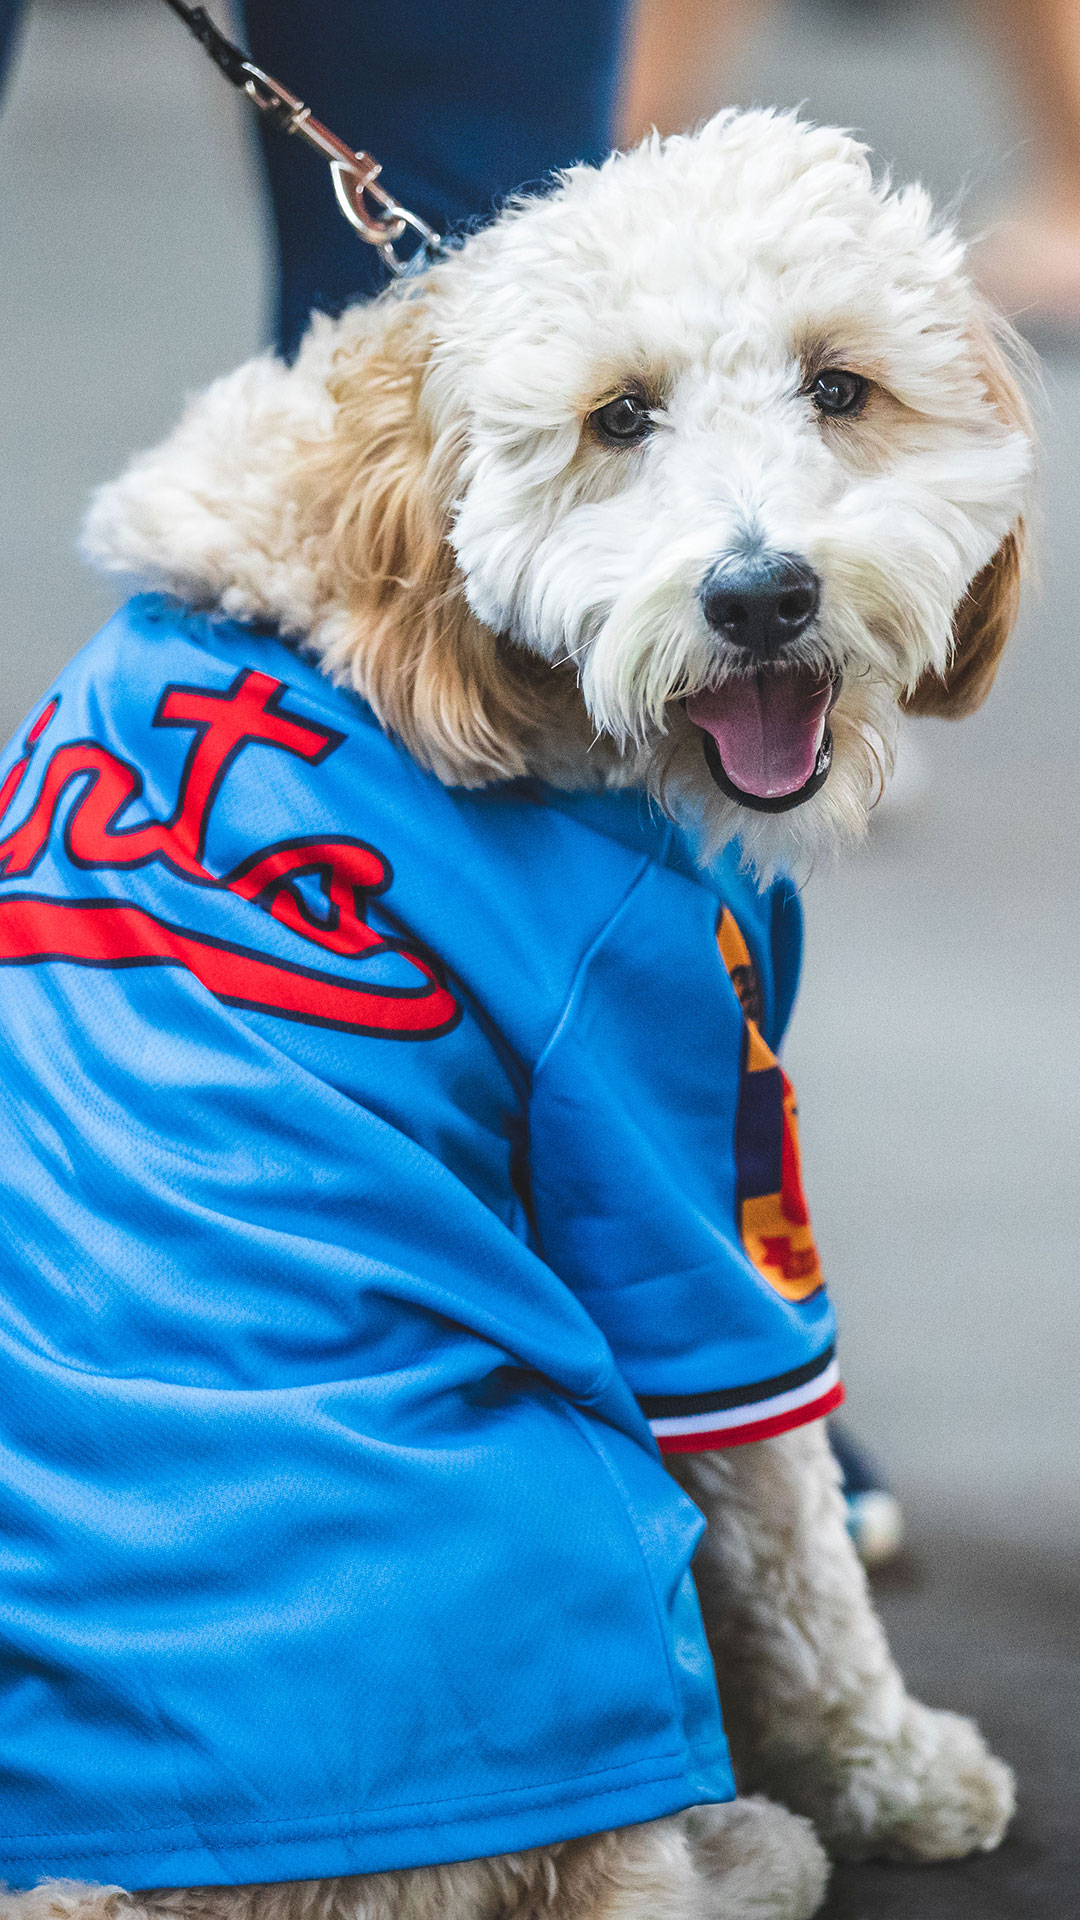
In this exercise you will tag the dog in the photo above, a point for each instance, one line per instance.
(620, 539)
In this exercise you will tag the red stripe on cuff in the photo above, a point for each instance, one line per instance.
(754, 1429)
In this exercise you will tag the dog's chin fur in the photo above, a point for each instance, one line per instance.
(422, 498)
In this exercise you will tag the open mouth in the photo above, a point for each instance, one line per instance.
(766, 735)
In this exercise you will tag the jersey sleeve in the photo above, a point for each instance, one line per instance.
(665, 1167)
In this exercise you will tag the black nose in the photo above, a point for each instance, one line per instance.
(760, 601)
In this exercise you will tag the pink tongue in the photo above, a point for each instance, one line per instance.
(767, 728)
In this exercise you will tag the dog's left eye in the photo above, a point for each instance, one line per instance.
(622, 421)
(836, 390)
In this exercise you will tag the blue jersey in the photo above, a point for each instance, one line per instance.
(389, 1172)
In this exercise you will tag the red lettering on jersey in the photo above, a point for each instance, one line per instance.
(108, 934)
(346, 869)
(103, 933)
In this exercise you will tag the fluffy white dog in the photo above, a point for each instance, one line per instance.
(688, 476)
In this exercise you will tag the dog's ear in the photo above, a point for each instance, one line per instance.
(987, 613)
(376, 499)
(984, 620)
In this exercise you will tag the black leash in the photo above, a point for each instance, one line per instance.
(372, 212)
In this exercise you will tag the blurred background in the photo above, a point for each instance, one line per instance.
(936, 1047)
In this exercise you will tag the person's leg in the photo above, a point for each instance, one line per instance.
(679, 55)
(1040, 47)
(462, 103)
(10, 14)
(1033, 266)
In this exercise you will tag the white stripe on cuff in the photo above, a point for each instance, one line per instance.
(756, 1410)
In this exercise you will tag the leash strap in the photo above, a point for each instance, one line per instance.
(372, 212)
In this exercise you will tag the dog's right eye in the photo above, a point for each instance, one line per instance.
(839, 391)
(621, 422)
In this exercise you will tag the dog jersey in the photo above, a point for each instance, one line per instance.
(389, 1173)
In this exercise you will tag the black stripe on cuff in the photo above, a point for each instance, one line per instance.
(669, 1406)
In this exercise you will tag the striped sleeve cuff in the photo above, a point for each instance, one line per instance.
(733, 1416)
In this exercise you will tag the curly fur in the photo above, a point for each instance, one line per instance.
(421, 499)
(815, 1710)
(749, 1860)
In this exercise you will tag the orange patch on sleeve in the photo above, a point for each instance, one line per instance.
(774, 1227)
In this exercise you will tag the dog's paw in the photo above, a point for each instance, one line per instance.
(933, 1791)
(758, 1860)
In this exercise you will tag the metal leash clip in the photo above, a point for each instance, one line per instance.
(372, 212)
(355, 175)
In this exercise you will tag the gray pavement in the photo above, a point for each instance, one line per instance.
(132, 271)
(937, 1044)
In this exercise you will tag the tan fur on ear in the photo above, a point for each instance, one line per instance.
(987, 613)
(376, 498)
(985, 618)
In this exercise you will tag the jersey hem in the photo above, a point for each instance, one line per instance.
(326, 1849)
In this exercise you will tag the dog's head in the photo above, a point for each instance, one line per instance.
(689, 473)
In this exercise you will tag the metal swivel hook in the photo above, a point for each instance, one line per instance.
(372, 212)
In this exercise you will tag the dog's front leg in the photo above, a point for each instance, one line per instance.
(816, 1710)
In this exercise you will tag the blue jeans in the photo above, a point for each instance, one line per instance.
(463, 101)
